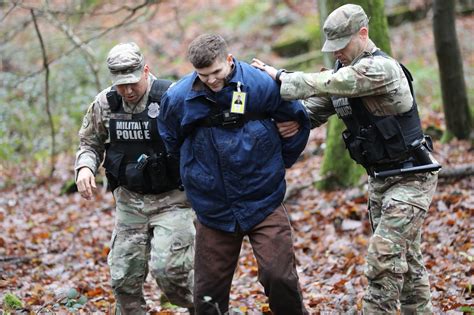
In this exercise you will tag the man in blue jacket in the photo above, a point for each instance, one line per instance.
(232, 162)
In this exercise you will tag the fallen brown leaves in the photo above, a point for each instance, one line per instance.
(50, 243)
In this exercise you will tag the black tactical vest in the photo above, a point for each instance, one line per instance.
(136, 156)
(378, 140)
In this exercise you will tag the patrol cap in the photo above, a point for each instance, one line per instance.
(341, 24)
(125, 62)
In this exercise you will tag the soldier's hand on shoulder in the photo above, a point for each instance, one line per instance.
(85, 182)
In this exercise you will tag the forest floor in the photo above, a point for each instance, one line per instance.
(51, 243)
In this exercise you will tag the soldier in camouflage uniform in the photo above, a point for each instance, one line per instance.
(154, 222)
(371, 93)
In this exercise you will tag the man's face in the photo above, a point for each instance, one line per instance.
(351, 51)
(214, 75)
(133, 92)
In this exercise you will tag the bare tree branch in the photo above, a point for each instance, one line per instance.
(130, 19)
(78, 43)
(17, 259)
(46, 92)
(13, 32)
(39, 9)
(8, 12)
(177, 17)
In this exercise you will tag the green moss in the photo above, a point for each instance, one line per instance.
(298, 38)
(11, 302)
(246, 15)
(291, 47)
(447, 136)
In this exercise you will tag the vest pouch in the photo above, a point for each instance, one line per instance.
(393, 140)
(135, 178)
(156, 174)
(111, 164)
(372, 144)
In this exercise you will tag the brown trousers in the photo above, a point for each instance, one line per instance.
(217, 255)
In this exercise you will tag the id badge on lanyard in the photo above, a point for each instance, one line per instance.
(238, 100)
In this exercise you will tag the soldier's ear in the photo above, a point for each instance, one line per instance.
(364, 32)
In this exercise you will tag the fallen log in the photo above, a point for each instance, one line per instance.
(457, 171)
(17, 259)
(454, 172)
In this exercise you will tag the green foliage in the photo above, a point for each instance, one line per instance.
(85, 4)
(426, 84)
(466, 309)
(166, 304)
(11, 302)
(73, 300)
(298, 38)
(72, 293)
(25, 129)
(244, 16)
(68, 187)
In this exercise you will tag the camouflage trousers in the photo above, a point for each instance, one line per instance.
(398, 280)
(153, 232)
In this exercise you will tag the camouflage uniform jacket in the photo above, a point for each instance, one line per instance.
(378, 80)
(94, 132)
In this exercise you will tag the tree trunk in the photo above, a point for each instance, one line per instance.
(453, 86)
(338, 169)
(378, 25)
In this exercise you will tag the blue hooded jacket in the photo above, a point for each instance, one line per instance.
(232, 176)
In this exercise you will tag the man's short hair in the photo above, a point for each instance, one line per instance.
(205, 49)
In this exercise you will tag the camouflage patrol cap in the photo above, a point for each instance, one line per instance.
(125, 63)
(341, 24)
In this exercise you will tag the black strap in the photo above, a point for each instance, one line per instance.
(230, 120)
(158, 88)
(409, 79)
(114, 99)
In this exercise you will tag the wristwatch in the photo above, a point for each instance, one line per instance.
(278, 74)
